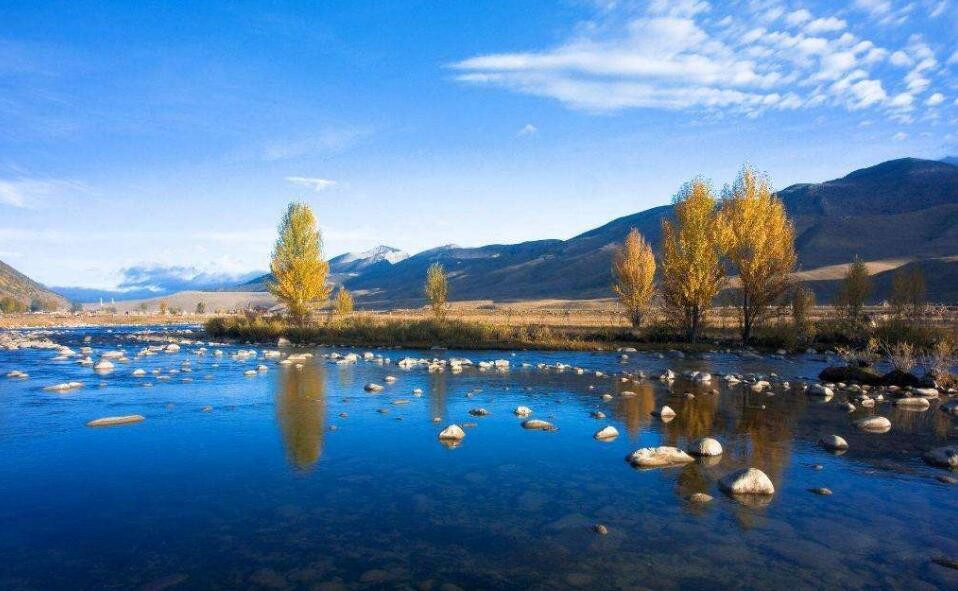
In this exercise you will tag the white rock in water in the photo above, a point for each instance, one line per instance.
(874, 424)
(706, 446)
(139, 373)
(172, 348)
(110, 421)
(262, 368)
(665, 412)
(944, 457)
(522, 411)
(103, 365)
(659, 457)
(538, 425)
(16, 373)
(64, 387)
(249, 373)
(282, 342)
(913, 403)
(747, 481)
(820, 390)
(833, 443)
(371, 387)
(389, 379)
(452, 433)
(606, 433)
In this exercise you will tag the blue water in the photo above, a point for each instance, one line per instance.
(272, 489)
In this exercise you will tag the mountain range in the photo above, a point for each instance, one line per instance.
(895, 214)
(900, 212)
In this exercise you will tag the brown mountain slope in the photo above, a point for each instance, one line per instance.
(15, 284)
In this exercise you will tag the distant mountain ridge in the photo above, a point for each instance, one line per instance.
(15, 284)
(342, 267)
(905, 208)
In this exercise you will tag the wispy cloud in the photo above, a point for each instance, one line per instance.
(690, 56)
(325, 142)
(313, 183)
(23, 192)
(527, 129)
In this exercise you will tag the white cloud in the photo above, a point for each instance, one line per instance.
(798, 17)
(874, 7)
(954, 58)
(935, 99)
(825, 25)
(900, 136)
(900, 59)
(692, 56)
(313, 183)
(528, 129)
(938, 9)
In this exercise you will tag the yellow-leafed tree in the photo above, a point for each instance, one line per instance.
(692, 247)
(633, 272)
(437, 290)
(299, 270)
(760, 246)
(344, 302)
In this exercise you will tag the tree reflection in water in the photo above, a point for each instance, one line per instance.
(301, 413)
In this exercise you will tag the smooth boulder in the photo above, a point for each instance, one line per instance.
(452, 433)
(833, 443)
(606, 433)
(538, 425)
(875, 424)
(112, 421)
(747, 481)
(659, 457)
(706, 447)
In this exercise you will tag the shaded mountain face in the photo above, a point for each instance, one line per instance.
(953, 160)
(900, 208)
(15, 284)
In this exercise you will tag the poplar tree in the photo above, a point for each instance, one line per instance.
(760, 246)
(299, 270)
(633, 272)
(692, 248)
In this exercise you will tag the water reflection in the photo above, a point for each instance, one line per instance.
(437, 394)
(635, 411)
(301, 413)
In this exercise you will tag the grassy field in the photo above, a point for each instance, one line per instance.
(544, 324)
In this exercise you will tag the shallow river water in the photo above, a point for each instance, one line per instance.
(271, 488)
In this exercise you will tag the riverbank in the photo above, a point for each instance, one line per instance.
(380, 331)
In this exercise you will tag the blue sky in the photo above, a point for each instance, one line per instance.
(138, 135)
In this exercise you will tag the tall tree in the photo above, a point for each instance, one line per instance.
(908, 292)
(437, 290)
(692, 248)
(633, 272)
(299, 270)
(760, 247)
(854, 290)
